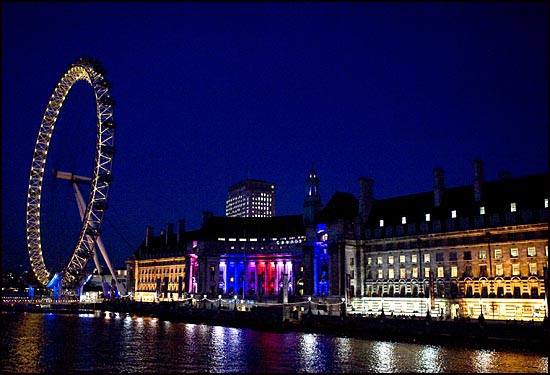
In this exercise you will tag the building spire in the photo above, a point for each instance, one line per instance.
(312, 201)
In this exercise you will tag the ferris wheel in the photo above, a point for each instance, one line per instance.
(92, 211)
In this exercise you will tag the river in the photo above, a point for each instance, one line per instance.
(115, 343)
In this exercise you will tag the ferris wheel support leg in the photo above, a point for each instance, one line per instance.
(99, 243)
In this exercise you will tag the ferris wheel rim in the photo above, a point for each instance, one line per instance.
(91, 71)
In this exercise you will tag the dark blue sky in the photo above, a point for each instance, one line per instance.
(209, 94)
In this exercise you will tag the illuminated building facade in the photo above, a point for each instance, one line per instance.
(251, 198)
(456, 252)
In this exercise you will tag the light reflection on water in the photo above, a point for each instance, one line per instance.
(118, 343)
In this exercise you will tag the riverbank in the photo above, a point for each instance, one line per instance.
(476, 333)
(482, 333)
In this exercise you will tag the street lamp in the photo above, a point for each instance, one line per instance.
(219, 301)
(235, 298)
(343, 308)
(309, 302)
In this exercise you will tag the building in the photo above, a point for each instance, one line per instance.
(452, 252)
(456, 252)
(251, 198)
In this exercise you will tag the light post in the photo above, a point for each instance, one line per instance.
(219, 301)
(235, 298)
(309, 308)
(204, 299)
(343, 308)
(192, 301)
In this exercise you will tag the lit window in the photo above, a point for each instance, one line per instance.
(404, 219)
(454, 271)
(482, 254)
(545, 202)
(531, 251)
(415, 272)
(402, 273)
(426, 258)
(378, 260)
(482, 210)
(390, 259)
(532, 268)
(498, 253)
(391, 274)
(369, 260)
(401, 259)
(512, 207)
(499, 271)
(453, 214)
(514, 252)
(414, 258)
(440, 272)
(426, 272)
(381, 223)
(380, 274)
(515, 269)
(427, 217)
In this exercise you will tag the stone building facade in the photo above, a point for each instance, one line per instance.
(455, 252)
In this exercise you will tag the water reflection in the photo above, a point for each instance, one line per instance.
(119, 343)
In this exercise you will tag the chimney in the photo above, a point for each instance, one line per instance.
(169, 231)
(478, 180)
(439, 185)
(148, 236)
(366, 197)
(181, 230)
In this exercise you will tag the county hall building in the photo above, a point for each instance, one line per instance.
(455, 252)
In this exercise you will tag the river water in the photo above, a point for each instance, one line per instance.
(113, 343)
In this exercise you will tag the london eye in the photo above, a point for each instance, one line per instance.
(91, 212)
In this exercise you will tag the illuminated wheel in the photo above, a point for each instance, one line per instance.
(90, 71)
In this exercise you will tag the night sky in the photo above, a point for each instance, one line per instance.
(209, 94)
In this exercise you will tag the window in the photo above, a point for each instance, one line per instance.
(453, 256)
(391, 274)
(532, 268)
(498, 253)
(531, 251)
(499, 271)
(404, 219)
(381, 222)
(369, 261)
(482, 210)
(402, 273)
(514, 252)
(414, 257)
(545, 202)
(467, 255)
(512, 207)
(439, 257)
(453, 214)
(482, 254)
(427, 217)
(378, 260)
(454, 271)
(515, 269)
(426, 258)
(401, 259)
(483, 271)
(440, 272)
(414, 272)
(426, 272)
(351, 261)
(380, 274)
(390, 259)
